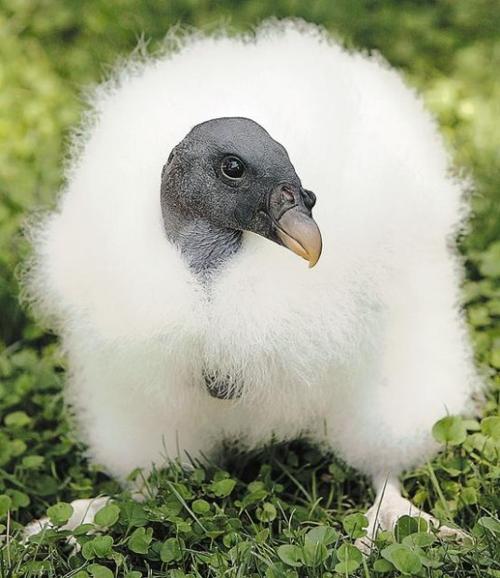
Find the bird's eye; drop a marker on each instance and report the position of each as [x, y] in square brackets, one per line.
[232, 167]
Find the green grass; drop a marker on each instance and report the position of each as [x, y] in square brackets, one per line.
[288, 511]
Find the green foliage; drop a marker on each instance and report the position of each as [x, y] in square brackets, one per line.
[450, 430]
[354, 525]
[59, 513]
[288, 512]
[140, 540]
[107, 516]
[349, 559]
[286, 516]
[403, 558]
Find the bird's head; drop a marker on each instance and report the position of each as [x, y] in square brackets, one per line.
[230, 173]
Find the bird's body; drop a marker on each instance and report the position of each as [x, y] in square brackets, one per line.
[362, 353]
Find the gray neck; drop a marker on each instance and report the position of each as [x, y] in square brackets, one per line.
[204, 246]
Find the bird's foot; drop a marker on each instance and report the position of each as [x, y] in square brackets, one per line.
[389, 506]
[84, 512]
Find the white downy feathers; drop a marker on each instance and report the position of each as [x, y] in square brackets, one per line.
[363, 353]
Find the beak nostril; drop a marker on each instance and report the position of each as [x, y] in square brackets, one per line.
[288, 194]
[291, 221]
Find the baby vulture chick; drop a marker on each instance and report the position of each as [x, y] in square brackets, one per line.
[170, 267]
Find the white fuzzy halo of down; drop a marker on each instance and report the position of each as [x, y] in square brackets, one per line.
[364, 352]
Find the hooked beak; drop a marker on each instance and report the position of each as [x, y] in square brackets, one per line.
[290, 211]
[300, 234]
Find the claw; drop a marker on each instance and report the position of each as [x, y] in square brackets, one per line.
[386, 511]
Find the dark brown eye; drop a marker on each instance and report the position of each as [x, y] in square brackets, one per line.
[232, 168]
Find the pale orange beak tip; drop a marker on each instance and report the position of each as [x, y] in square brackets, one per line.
[301, 234]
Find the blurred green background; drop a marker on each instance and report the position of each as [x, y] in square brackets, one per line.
[51, 50]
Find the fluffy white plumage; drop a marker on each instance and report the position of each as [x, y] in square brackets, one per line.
[363, 353]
